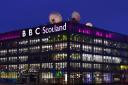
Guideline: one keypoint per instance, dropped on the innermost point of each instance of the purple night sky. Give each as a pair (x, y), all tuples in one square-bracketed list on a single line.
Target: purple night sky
[(107, 14)]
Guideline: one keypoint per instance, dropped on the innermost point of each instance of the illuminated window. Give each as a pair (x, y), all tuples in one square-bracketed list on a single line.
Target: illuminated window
[(12, 51), (61, 37), (109, 43), (12, 71), (23, 68), (75, 56), (97, 58), (47, 65), (98, 41), (23, 58), (98, 77), (97, 66), (12, 67), (106, 42), (47, 75), (34, 67), (45, 40), (124, 67), (107, 59), (47, 48), (61, 56), (23, 42), (87, 65), (87, 39), (23, 50), (75, 65), (3, 73), (97, 49), (107, 50), (87, 77), (116, 60), (75, 37), (3, 59), (12, 75), (87, 48), (75, 78), (13, 59), (107, 77), (87, 57), (34, 41), (112, 43), (48, 39), (3, 68), (64, 37), (34, 49), (75, 46), (3, 52), (59, 66), (60, 46)]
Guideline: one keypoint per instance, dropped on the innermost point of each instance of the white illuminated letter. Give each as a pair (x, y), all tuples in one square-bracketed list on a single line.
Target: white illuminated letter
[(65, 26), (43, 30), (36, 31), (23, 33), (30, 32)]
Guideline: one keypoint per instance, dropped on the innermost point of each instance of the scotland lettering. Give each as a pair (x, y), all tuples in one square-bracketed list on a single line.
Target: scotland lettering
[(43, 30)]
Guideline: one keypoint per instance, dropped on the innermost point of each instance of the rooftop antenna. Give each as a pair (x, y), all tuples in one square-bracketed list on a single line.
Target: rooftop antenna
[(55, 17), (89, 24), (76, 16)]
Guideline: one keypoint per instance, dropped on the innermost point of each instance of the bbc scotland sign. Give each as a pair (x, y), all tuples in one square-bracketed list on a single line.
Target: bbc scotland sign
[(44, 30)]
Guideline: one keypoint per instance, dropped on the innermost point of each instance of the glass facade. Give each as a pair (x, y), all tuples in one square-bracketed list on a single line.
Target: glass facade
[(64, 57)]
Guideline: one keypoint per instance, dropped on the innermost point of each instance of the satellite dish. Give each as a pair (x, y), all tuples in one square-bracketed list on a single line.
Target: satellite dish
[(89, 24), (76, 16), (55, 17)]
